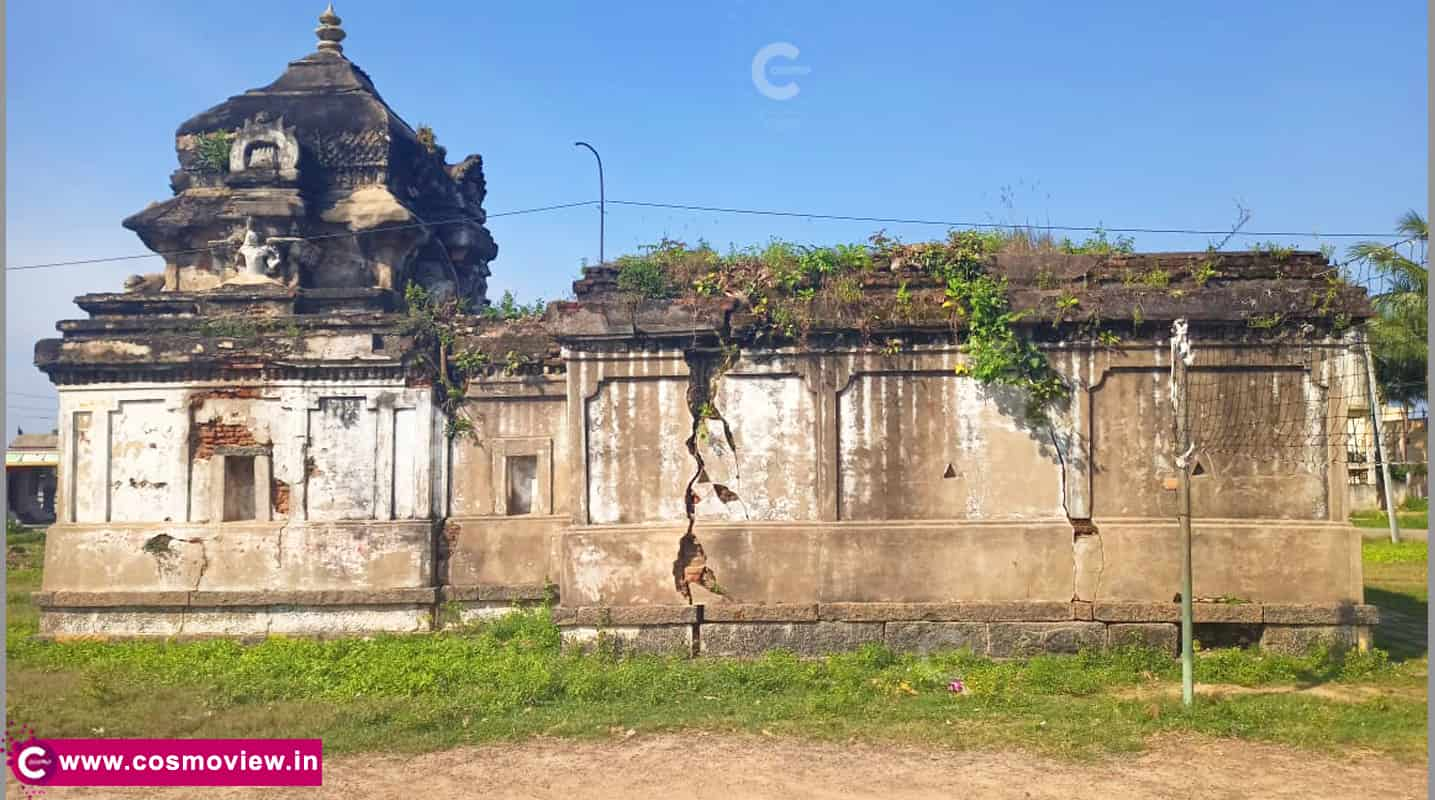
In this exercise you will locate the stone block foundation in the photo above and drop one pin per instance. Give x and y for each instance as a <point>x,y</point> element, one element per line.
<point>1008,630</point>
<point>997,630</point>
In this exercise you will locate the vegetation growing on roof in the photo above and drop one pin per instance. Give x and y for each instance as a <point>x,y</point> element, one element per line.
<point>1205,270</point>
<point>784,285</point>
<point>429,140</point>
<point>510,309</point>
<point>1277,251</point>
<point>439,328</point>
<point>211,150</point>
<point>1099,245</point>
<point>1153,278</point>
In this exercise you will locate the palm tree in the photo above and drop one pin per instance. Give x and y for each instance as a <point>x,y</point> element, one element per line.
<point>1398,331</point>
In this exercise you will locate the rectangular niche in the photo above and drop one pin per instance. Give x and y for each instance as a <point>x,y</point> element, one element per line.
<point>523,476</point>
<point>239,484</point>
<point>522,482</point>
<point>238,488</point>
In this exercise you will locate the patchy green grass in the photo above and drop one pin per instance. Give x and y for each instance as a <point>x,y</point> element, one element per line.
<point>1395,580</point>
<point>1414,520</point>
<point>24,549</point>
<point>511,679</point>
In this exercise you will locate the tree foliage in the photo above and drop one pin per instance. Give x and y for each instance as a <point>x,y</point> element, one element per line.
<point>1398,333</point>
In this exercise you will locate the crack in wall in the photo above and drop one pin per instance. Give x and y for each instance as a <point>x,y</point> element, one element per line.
<point>279,546</point>
<point>203,560</point>
<point>691,567</point>
<point>1080,527</point>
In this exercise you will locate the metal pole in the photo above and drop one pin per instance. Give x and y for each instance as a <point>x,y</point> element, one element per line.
<point>1380,453</point>
<point>602,199</point>
<point>1180,359</point>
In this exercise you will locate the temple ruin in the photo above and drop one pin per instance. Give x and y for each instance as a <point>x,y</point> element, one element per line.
<point>263,438</point>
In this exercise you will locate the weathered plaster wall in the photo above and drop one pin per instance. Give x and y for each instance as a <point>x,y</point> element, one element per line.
<point>831,562</point>
<point>1261,561</point>
<point>487,542</point>
<point>862,442</point>
<point>148,453</point>
<point>239,556</point>
<point>773,418</point>
<point>509,418</point>
<point>934,445</point>
<point>126,458</point>
<point>339,481</point>
<point>638,465</point>
<point>834,489</point>
<point>1271,464</point>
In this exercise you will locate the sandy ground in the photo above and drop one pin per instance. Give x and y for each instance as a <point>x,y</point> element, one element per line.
<point>725,766</point>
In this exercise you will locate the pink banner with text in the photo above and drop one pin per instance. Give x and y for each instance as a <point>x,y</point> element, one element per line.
<point>167,762</point>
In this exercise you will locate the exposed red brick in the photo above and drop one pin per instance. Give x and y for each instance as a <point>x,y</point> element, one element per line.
<point>280,495</point>
<point>227,393</point>
<point>209,436</point>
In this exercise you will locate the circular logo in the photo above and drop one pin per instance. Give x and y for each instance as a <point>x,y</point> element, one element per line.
<point>760,71</point>
<point>34,762</point>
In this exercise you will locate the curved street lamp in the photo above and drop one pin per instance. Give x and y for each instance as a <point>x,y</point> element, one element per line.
<point>602,200</point>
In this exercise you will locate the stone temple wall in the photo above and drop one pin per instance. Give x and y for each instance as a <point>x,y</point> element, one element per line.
<point>868,489</point>
<point>863,496</point>
<point>242,509</point>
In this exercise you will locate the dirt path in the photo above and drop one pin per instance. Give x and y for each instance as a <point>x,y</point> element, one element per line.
<point>722,766</point>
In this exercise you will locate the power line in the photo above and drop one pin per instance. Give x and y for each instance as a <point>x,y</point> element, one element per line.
<point>31,394</point>
<point>1004,225</point>
<point>744,211</point>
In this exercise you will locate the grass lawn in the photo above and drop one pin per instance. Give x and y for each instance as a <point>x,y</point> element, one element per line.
<point>1413,520</point>
<point>510,679</point>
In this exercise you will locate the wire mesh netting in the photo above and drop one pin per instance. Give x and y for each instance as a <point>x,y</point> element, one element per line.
<point>1315,408</point>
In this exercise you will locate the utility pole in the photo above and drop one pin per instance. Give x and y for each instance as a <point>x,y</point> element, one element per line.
<point>1180,401</point>
<point>1381,454</point>
<point>602,200</point>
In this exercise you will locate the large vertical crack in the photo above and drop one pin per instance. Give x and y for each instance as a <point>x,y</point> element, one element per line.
<point>1080,527</point>
<point>704,371</point>
<point>203,561</point>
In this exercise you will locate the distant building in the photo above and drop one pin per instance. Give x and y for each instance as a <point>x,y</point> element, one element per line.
<point>1404,435</point>
<point>30,477</point>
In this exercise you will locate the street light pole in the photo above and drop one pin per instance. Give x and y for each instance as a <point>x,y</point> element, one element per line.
<point>602,200</point>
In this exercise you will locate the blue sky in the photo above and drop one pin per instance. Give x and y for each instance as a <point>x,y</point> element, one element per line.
<point>1312,115</point>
